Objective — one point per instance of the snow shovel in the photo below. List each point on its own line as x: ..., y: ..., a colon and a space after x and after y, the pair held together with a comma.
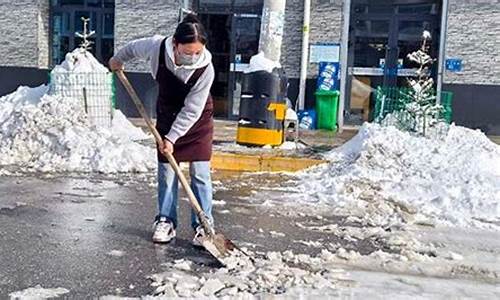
x: 216, y: 244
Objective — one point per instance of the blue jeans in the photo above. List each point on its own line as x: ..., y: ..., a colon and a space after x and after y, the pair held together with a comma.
x: 168, y: 187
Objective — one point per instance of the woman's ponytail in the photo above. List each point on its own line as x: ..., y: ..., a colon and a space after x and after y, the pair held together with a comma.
x: 190, y: 30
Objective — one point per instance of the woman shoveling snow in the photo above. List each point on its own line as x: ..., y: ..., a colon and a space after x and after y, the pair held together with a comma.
x: 183, y: 68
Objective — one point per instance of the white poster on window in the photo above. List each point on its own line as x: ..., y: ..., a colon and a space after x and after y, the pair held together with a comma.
x: 324, y: 52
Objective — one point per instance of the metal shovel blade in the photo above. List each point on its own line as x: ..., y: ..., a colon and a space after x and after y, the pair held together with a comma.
x: 219, y: 246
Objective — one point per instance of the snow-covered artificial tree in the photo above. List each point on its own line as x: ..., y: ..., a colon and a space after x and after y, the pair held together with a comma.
x: 83, y: 77
x: 421, y: 106
x: 86, y: 44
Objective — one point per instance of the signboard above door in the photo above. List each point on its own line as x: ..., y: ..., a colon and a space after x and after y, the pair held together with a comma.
x: 324, y: 52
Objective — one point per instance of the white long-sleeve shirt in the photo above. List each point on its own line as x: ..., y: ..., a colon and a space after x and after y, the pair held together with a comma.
x: 149, y: 49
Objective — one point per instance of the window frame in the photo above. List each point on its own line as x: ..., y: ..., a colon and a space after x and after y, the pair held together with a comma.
x: 229, y: 7
x: 55, y: 8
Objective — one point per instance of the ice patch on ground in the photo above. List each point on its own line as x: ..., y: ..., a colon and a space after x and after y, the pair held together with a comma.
x: 112, y: 297
x: 40, y: 132
x: 286, y: 275
x: 386, y: 176
x: 116, y: 253
x: 275, y: 274
x: 291, y: 146
x: 38, y: 292
x: 219, y: 202
x: 377, y: 285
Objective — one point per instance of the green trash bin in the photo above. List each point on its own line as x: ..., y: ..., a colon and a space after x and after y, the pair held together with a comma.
x: 326, y: 109
x: 446, y: 102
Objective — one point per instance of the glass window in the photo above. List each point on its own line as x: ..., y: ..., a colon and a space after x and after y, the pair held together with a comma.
x: 412, y: 30
x: 71, y: 2
x: 380, y: 27
x: 108, y: 24
x: 66, y: 23
x: 245, y: 6
x: 85, y: 14
x: 361, y: 25
x: 215, y: 2
x: 109, y: 3
x: 215, y: 5
x: 94, y: 3
x: 384, y: 9
x: 360, y: 8
x: 217, y: 27
x: 60, y: 36
x: 61, y: 23
x: 67, y: 20
x: 57, y: 23
x: 417, y: 8
x: 247, y: 37
x: 60, y: 46
x: 369, y: 51
x: 107, y: 49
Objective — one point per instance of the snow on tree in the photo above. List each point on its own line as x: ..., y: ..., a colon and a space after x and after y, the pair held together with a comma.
x: 86, y: 44
x: 423, y: 108
x: 420, y: 111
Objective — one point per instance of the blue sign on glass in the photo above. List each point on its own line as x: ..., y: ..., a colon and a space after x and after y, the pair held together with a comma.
x: 328, y: 77
x: 453, y: 65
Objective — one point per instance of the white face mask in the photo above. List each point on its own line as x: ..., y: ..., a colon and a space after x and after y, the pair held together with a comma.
x: 186, y: 59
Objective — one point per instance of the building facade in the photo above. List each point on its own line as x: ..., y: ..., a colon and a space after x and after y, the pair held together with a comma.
x: 373, y: 36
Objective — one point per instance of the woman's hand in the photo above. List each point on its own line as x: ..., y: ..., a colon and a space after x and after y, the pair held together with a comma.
x: 115, y: 64
x: 168, y: 147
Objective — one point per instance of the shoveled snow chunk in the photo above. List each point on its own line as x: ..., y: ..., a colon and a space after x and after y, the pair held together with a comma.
x: 212, y: 286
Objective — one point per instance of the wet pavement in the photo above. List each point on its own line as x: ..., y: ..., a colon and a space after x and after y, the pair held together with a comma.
x: 91, y: 235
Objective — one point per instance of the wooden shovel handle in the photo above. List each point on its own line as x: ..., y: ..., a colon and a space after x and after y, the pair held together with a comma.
x: 140, y: 107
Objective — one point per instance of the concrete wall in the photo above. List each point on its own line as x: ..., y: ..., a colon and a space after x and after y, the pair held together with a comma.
x: 24, y: 33
x: 43, y: 21
x: 473, y: 30
x: 143, y: 18
x: 326, y: 27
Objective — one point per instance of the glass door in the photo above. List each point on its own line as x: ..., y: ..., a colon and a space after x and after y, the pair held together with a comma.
x: 371, y: 61
x: 234, y: 30
x: 218, y: 26
x: 382, y: 34
x: 244, y: 44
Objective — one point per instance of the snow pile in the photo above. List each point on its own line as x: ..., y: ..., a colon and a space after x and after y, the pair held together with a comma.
x: 276, y: 273
x: 82, y: 77
x: 37, y: 293
x: 431, y: 126
x: 79, y: 61
x: 48, y: 133
x: 260, y: 62
x: 122, y: 127
x: 385, y: 176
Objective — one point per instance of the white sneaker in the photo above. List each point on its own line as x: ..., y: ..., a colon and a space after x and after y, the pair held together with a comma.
x: 199, y: 232
x: 164, y: 231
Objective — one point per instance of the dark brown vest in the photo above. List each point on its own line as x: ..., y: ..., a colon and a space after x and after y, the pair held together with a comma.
x: 196, y: 144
